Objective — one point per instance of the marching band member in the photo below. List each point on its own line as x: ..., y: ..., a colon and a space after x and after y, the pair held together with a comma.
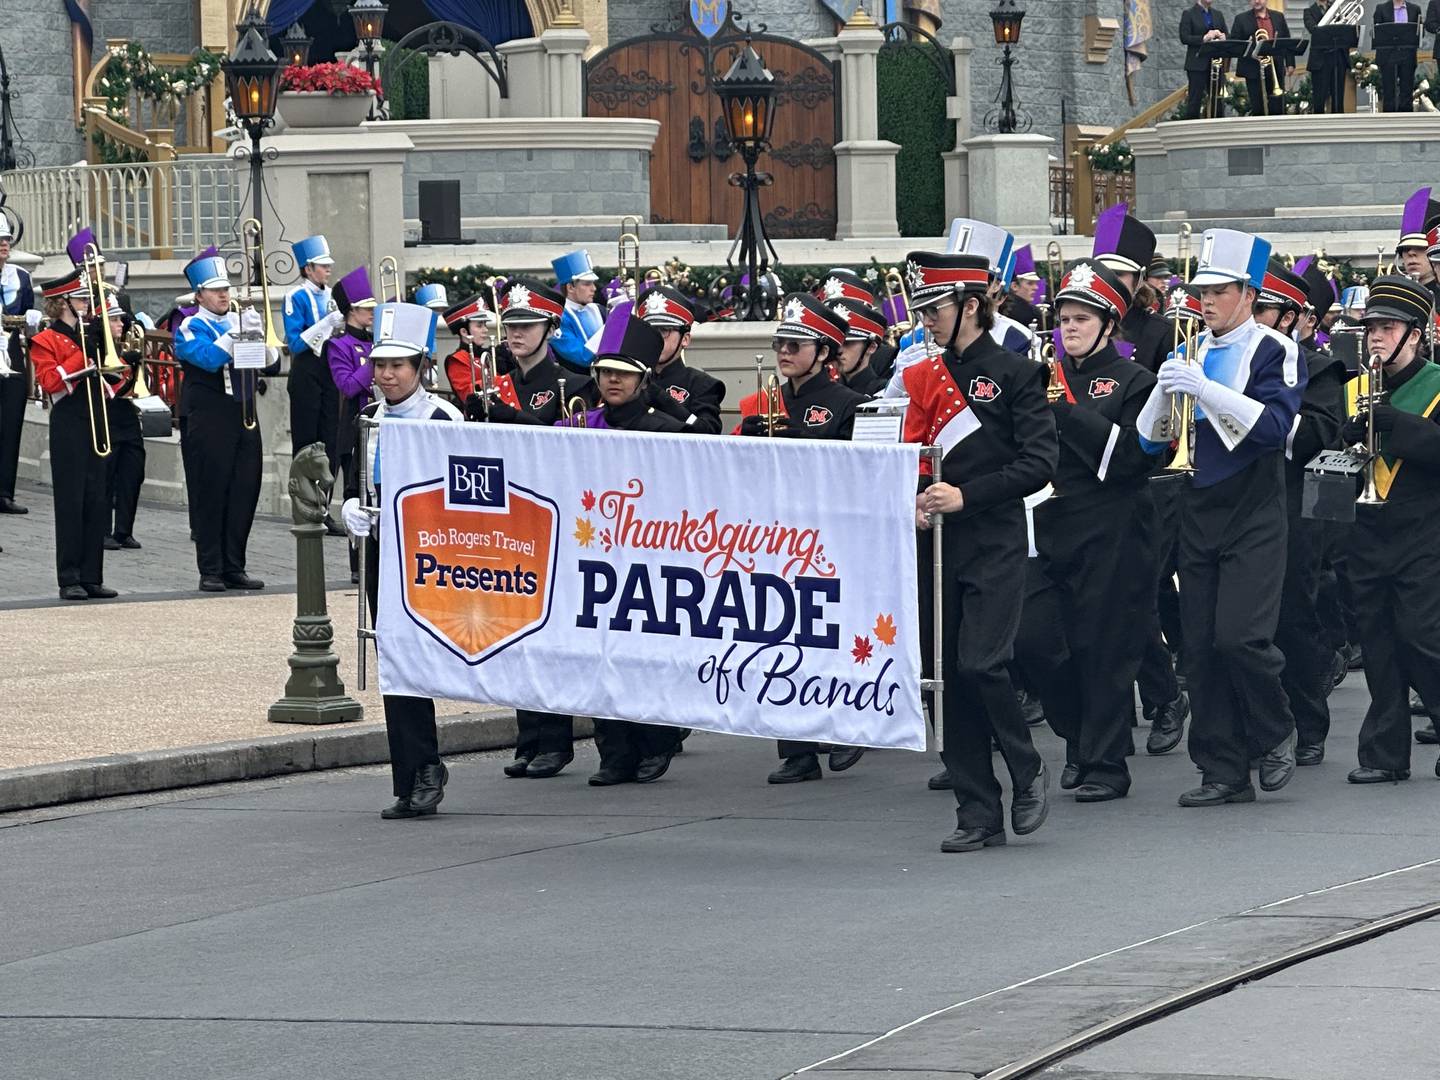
x: 1246, y: 384
x: 1412, y: 250
x: 864, y: 334
x: 346, y: 356
x: 842, y: 284
x: 986, y: 405
x: 125, y: 466
x: 470, y: 322
x: 309, y: 322
x: 225, y: 455
x: 17, y: 297
x: 689, y: 394
x: 77, y: 472
x: 432, y: 295
x: 398, y: 357
x: 969, y: 236
x: 626, y: 352
x: 1019, y: 303
x: 810, y: 405
x: 1157, y: 276
x: 1397, y: 594
x: 1096, y: 536
x: 1432, y: 254
x: 1245, y: 27
x: 583, y: 319
x: 1286, y: 305
x: 1126, y: 245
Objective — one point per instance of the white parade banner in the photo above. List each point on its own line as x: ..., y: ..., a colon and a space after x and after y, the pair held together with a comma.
x: 760, y: 587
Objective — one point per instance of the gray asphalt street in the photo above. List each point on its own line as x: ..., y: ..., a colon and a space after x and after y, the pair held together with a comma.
x: 705, y: 926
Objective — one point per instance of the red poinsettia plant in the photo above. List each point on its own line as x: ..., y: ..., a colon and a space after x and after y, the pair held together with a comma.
x: 334, y: 78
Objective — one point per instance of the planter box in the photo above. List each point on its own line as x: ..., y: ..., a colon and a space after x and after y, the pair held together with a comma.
x: 316, y: 109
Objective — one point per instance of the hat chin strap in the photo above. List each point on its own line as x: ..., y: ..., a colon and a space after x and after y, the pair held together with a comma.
x: 1099, y: 334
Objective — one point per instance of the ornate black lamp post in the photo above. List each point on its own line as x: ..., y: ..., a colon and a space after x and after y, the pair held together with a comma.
x: 11, y: 156
x: 1006, y: 19
x: 369, y: 19
x: 296, y: 45
x: 747, y: 101
x: 252, y: 79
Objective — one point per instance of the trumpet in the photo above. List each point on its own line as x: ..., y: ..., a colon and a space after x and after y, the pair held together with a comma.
x: 134, y: 341
x: 572, y: 410
x: 1043, y: 352
x: 627, y: 255
x: 768, y: 395
x: 389, y: 276
x: 1373, y: 393
x: 1380, y: 268
x: 1182, y: 406
x: 1183, y: 244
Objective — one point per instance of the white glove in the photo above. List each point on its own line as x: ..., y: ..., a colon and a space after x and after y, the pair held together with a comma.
x: 32, y: 319
x: 250, y: 321
x: 1178, y: 377
x: 335, y: 321
x: 357, y: 521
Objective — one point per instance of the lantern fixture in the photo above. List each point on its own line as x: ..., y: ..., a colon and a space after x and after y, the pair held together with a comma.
x: 252, y: 76
x: 747, y: 101
x: 296, y: 45
x: 369, y: 19
x: 1006, y: 19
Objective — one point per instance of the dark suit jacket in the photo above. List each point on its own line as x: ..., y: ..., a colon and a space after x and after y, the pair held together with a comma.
x: 1432, y: 17
x: 1385, y: 13
x: 1192, y: 33
x: 1243, y: 29
x: 1324, y: 59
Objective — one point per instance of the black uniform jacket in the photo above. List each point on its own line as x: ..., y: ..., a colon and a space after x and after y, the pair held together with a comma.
x: 820, y: 409
x: 638, y: 415
x: 694, y: 392
x: 1151, y: 334
x: 1100, y: 452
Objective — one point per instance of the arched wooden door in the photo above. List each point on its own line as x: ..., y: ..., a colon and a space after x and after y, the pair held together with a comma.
x: 669, y: 76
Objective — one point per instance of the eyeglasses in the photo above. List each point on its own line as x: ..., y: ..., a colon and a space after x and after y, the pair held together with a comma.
x: 932, y: 313
x: 788, y: 345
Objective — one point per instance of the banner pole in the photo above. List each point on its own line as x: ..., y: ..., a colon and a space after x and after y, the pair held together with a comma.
x: 937, y: 628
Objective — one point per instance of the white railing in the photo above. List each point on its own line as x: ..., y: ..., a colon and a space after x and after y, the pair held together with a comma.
x: 157, y: 207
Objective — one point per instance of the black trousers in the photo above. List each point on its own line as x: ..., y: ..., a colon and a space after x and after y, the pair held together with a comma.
x: 623, y: 744
x: 1299, y: 635
x: 224, y: 478
x: 1198, y: 83
x: 983, y: 594
x: 125, y: 467
x: 1099, y: 554
x: 1260, y: 101
x: 409, y: 721
x: 1325, y: 94
x: 77, y: 475
x: 1232, y: 558
x: 543, y: 733
x: 1336, y: 599
x: 1397, y: 599
x: 1160, y: 626
x: 314, y: 406
x: 12, y: 422
x: 1397, y: 81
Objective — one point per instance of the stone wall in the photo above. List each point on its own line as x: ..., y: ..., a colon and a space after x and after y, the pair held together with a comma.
x: 791, y: 18
x: 166, y: 26
x: 535, y: 183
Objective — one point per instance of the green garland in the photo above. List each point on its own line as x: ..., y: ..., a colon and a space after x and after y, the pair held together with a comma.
x: 131, y: 69
x: 1116, y: 157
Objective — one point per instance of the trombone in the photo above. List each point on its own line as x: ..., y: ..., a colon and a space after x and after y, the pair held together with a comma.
x: 1183, y: 245
x: 767, y: 393
x: 627, y: 255
x: 253, y: 244
x: 94, y: 392
x: 1269, y: 80
x: 1373, y: 393
x: 389, y: 276
x: 1054, y: 266
x: 369, y: 503
x: 1182, y: 406
x: 1380, y: 268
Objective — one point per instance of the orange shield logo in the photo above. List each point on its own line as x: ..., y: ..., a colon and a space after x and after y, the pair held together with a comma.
x: 476, y: 579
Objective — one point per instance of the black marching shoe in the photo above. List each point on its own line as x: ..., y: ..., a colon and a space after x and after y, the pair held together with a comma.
x: 1309, y: 753
x: 520, y: 766
x: 10, y: 506
x: 651, y: 769
x: 1354, y: 657
x: 1217, y: 794
x: 845, y: 756
x: 242, y: 580
x: 429, y: 786
x: 1366, y: 775
x: 401, y: 808
x: 129, y: 543
x: 110, y: 543
x: 1167, y: 726
x: 1427, y: 736
x: 211, y: 583
x: 609, y: 777
x: 941, y: 781
x: 795, y: 769
x: 99, y: 592
x: 1028, y: 808
x: 333, y: 528
x: 544, y: 766
x: 963, y: 839
x: 1417, y: 707
x: 1069, y: 777
x: 1031, y: 708
x: 1338, y: 669
x: 1096, y: 792
x: 1277, y: 765
x: 74, y: 592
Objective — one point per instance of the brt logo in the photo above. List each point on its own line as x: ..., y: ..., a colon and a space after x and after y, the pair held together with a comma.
x: 475, y: 482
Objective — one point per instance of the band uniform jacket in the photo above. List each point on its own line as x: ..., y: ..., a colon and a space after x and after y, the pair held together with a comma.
x: 1150, y: 334
x: 1022, y: 311
x: 1243, y: 29
x: 203, y: 346
x: 637, y: 414
x: 1096, y: 425
x: 820, y: 409
x: 1193, y: 31
x: 17, y: 296
x: 697, y: 393
x: 55, y: 352
x: 1322, y: 59
x: 537, y: 394
x: 864, y: 381
x: 986, y: 407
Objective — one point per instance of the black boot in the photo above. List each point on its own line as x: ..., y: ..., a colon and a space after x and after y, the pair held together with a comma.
x: 429, y: 786
x: 520, y: 766
x: 1028, y: 808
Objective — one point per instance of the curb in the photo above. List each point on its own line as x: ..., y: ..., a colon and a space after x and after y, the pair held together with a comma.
x: 252, y: 759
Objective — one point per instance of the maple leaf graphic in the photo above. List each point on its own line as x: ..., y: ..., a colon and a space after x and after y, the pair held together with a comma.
x: 862, y: 650
x: 584, y: 532
x: 587, y: 500
x: 885, y: 630
x: 605, y: 539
